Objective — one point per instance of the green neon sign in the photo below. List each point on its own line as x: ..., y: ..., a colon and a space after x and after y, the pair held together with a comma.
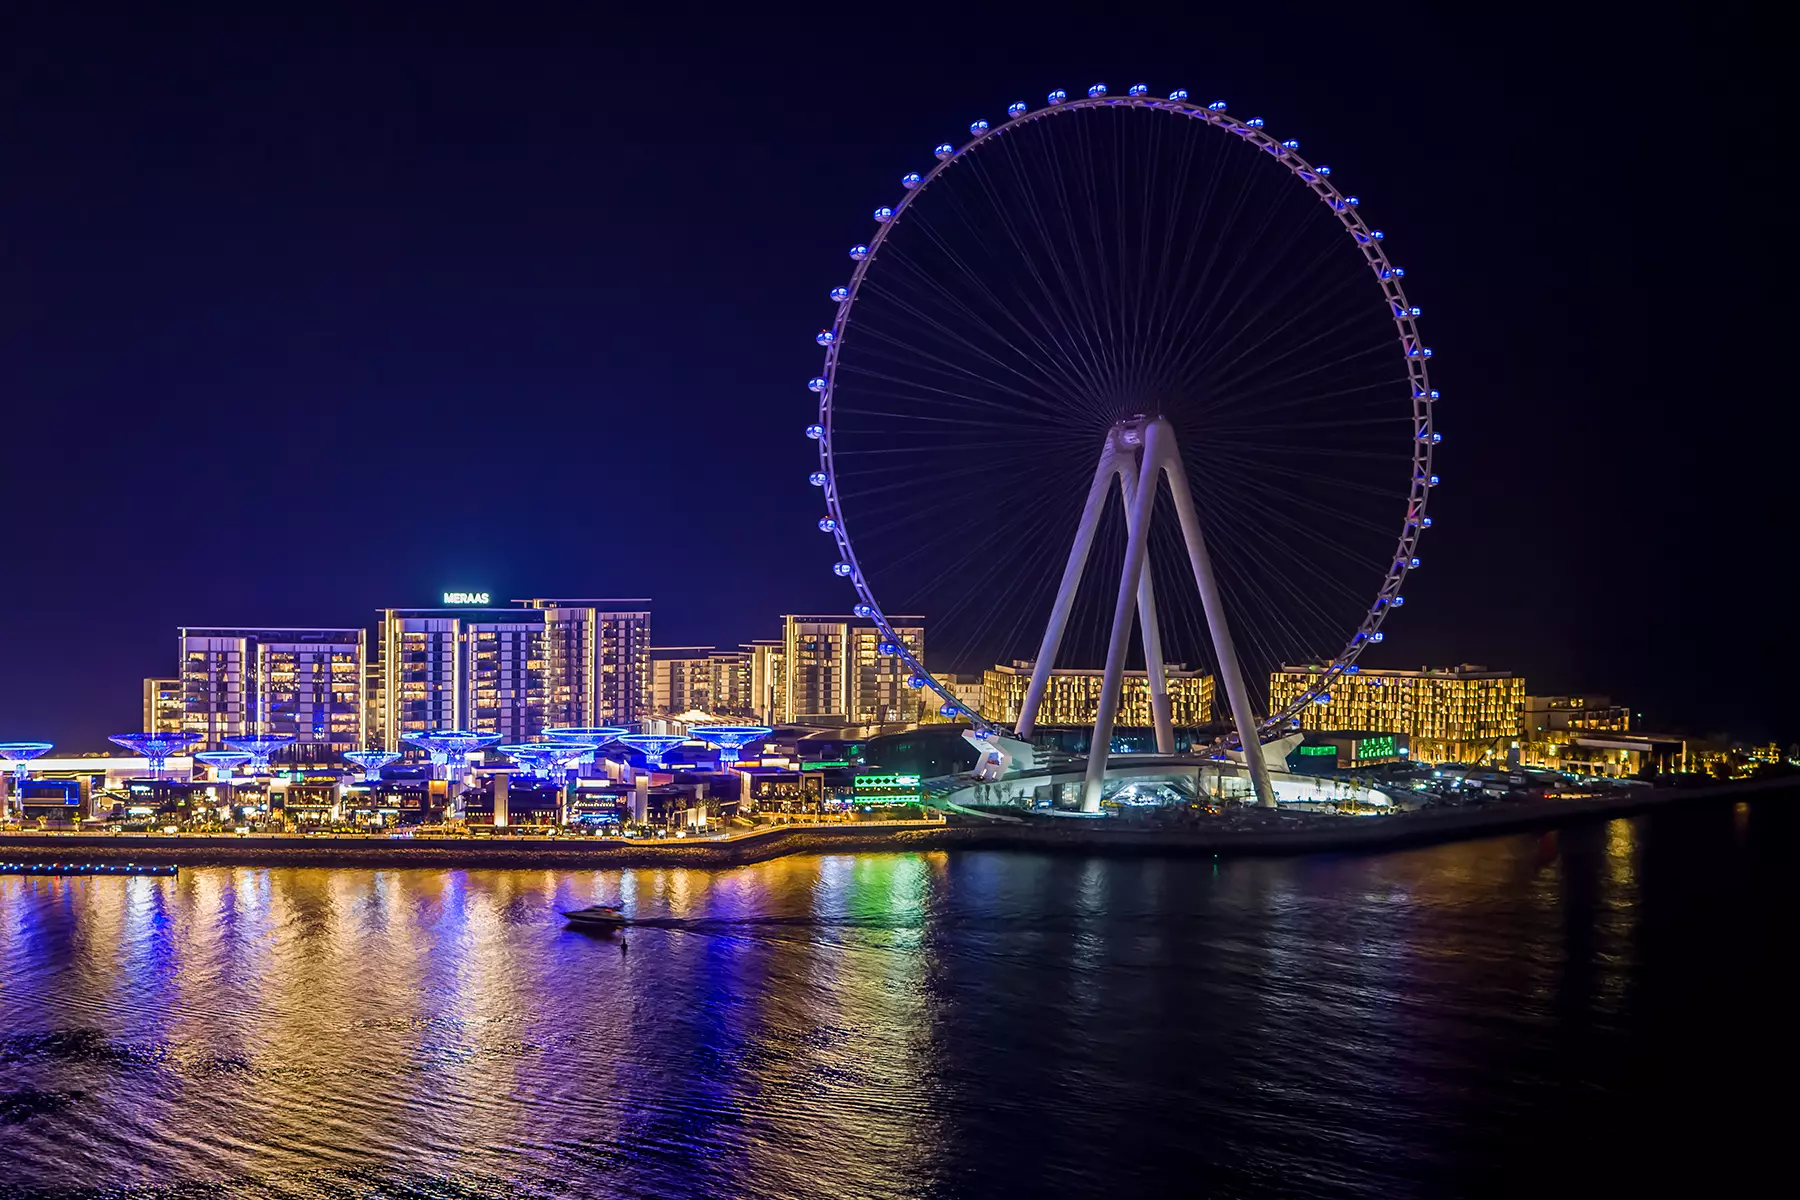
x: 1318, y: 751
x: 1377, y: 747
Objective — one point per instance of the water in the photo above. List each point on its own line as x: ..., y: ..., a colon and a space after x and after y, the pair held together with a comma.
x: 1484, y: 1018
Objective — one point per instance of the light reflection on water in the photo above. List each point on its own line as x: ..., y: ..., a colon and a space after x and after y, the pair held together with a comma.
x: 939, y: 1024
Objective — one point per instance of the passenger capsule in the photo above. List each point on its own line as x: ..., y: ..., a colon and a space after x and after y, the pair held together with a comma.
x: 1016, y: 109
x: 887, y: 649
x: 1325, y: 171
x: 884, y: 214
x: 978, y: 128
x: 1057, y: 97
x: 1255, y: 122
x: 1290, y: 144
x: 825, y: 337
x: 915, y: 681
x: 1399, y: 601
x: 827, y: 524
x: 843, y: 568
x: 1399, y: 272
x: 1178, y: 94
x: 1138, y: 89
x: 944, y: 150
x: 859, y: 252
x: 1377, y: 234
x: 815, y: 432
x: 1433, y: 481
x: 910, y: 180
x: 840, y: 294
x: 1377, y: 636
x: 1436, y: 438
x: 864, y: 611
x: 1434, y: 393
x: 1416, y: 311
x: 1426, y: 523
x: 817, y: 383
x: 1352, y: 201
x: 817, y: 479
x: 1216, y: 106
x: 1097, y: 91
x: 949, y: 710
x: 1413, y: 563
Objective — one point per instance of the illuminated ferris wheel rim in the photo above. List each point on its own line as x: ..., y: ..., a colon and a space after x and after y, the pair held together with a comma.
x: 1368, y: 241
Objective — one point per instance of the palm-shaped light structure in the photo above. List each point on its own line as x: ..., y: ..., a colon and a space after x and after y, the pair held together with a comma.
x: 371, y: 762
x: 222, y: 762
x: 729, y: 740
x: 259, y: 746
x: 589, y: 737
x: 20, y: 754
x: 544, y: 758
x: 158, y: 748
x: 652, y: 745
x: 447, y: 746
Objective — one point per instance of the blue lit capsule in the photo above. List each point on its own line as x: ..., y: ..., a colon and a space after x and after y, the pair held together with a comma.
x: 1433, y: 481
x: 863, y: 610
x: 915, y: 681
x: 1097, y: 91
x: 825, y: 337
x: 887, y: 649
x: 1434, y: 393
x: 840, y: 294
x: 884, y: 214
x: 1352, y: 669
x: 1178, y: 94
x: 1255, y: 122
x: 1413, y: 563
x: 843, y: 568
x: 1057, y: 97
x: 1399, y: 601
x: 1290, y: 144
x: 978, y: 128
x: 1427, y: 352
x: 1416, y: 311
x: 1016, y: 109
x: 910, y: 180
x: 949, y: 710
x: 1216, y: 106
x: 944, y: 150
x: 1377, y: 234
x: 817, y: 479
x: 859, y: 252
x: 1138, y: 89
x: 1377, y: 636
x: 1352, y: 201
x: 815, y: 432
x: 1436, y: 438
x: 1323, y: 170
x: 817, y: 383
x: 827, y: 524
x: 1322, y: 698
x: 1426, y: 522
x: 1399, y: 272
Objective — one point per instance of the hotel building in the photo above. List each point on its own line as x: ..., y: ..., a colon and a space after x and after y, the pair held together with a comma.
x: 598, y: 655
x: 680, y: 679
x: 1464, y: 713
x: 301, y: 683
x: 1072, y: 697
x: 833, y: 673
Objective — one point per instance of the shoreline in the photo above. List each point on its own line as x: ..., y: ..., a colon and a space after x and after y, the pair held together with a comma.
x: 1346, y: 835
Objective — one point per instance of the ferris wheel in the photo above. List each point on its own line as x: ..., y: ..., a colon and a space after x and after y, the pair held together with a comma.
x: 1137, y: 296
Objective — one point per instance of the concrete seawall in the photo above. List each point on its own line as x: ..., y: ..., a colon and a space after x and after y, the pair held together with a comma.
x: 1346, y: 835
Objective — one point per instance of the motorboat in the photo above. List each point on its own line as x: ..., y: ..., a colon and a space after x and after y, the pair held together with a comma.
x: 597, y: 916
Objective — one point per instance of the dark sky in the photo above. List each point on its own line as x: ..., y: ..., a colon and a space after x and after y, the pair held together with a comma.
x: 301, y: 316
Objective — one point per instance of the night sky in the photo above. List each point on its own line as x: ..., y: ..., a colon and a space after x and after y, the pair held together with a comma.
x: 307, y: 316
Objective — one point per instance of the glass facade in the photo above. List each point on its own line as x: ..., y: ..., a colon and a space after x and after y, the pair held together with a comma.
x: 1451, y: 713
x: 301, y: 683
x: 1072, y: 697
x: 834, y: 674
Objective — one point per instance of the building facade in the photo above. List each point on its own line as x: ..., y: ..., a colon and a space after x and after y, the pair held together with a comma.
x: 306, y: 684
x: 597, y: 655
x: 1072, y: 697
x: 162, y: 705
x: 833, y: 672
x: 1463, y: 713
x: 680, y: 679
x: 768, y: 680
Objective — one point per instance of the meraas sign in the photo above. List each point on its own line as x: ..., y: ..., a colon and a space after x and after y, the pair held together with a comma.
x: 465, y: 598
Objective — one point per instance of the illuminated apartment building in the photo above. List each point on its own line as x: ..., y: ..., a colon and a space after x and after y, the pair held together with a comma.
x: 833, y: 673
x: 162, y: 705
x: 1463, y: 713
x: 732, y: 685
x: 1546, y: 716
x: 680, y: 679
x: 768, y: 680
x: 301, y: 683
x: 598, y: 660
x: 1072, y: 697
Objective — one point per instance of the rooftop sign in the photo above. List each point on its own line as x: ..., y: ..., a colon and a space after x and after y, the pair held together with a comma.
x: 465, y: 597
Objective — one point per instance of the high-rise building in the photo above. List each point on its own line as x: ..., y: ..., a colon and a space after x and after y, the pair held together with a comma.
x: 512, y: 671
x: 680, y: 679
x: 306, y: 684
x: 1462, y: 713
x: 597, y: 655
x: 834, y: 673
x: 1072, y: 697
x: 768, y: 680
x: 162, y: 705
x: 732, y: 686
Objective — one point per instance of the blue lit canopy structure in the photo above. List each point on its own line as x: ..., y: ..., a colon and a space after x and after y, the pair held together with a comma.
x: 544, y: 758
x: 729, y: 739
x: 159, y: 748
x: 223, y: 762
x: 259, y: 746
x: 652, y: 745
x: 20, y: 754
x: 447, y: 746
x: 371, y: 761
x: 589, y: 737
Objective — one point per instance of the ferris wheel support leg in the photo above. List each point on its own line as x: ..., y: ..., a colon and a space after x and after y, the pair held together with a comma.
x: 1231, y: 673
x: 1137, y: 545
x: 1156, y: 675
x: 1065, y: 593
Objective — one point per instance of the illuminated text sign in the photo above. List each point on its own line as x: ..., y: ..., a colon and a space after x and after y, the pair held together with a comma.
x: 465, y: 598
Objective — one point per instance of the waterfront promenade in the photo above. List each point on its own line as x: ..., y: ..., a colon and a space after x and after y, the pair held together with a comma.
x: 1287, y: 835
